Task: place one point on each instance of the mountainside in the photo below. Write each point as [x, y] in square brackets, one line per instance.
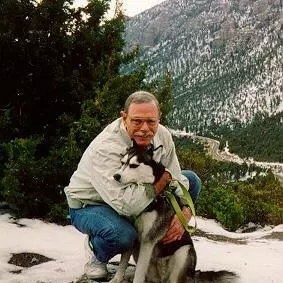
[225, 58]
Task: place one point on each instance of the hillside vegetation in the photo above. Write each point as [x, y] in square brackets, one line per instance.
[225, 59]
[227, 194]
[262, 139]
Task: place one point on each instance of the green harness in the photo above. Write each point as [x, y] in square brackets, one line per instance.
[186, 198]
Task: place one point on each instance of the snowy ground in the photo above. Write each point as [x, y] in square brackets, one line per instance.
[256, 257]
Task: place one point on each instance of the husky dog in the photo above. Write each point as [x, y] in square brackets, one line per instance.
[155, 262]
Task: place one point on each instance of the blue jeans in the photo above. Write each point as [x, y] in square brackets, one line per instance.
[195, 184]
[110, 233]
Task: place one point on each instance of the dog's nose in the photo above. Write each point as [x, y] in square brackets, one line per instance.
[117, 177]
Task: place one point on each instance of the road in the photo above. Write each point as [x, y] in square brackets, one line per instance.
[212, 146]
[225, 155]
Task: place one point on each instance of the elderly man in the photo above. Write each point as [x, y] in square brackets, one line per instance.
[101, 207]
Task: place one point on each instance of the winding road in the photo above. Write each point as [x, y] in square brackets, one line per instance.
[212, 146]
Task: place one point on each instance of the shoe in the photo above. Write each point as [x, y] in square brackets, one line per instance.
[94, 268]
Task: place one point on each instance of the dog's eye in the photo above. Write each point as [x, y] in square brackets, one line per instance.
[133, 165]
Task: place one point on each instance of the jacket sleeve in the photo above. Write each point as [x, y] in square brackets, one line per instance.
[130, 199]
[170, 161]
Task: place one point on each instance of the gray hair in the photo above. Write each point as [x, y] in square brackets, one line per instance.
[139, 97]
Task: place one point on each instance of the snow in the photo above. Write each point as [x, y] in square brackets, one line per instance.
[256, 260]
[252, 256]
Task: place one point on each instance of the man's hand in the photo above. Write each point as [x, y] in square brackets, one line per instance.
[161, 184]
[176, 229]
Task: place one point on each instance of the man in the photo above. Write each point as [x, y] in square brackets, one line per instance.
[100, 206]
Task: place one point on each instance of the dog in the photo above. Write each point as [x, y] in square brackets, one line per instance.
[155, 262]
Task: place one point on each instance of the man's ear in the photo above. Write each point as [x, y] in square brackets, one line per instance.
[123, 114]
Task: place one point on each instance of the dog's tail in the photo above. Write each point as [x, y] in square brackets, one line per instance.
[222, 276]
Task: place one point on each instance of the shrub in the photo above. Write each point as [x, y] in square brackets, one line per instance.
[33, 185]
[58, 213]
[262, 199]
[222, 204]
[232, 202]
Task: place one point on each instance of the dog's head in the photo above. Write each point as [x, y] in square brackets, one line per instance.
[138, 166]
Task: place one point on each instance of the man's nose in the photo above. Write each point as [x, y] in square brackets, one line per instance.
[144, 126]
[117, 177]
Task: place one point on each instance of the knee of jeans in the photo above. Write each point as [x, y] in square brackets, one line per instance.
[128, 239]
[195, 183]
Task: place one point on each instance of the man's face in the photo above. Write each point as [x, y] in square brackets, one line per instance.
[141, 122]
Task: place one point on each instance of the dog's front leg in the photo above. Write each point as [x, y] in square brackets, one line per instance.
[145, 253]
[125, 257]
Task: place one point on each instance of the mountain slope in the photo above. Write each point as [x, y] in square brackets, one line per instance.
[225, 58]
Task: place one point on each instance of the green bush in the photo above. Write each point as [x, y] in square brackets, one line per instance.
[262, 199]
[58, 213]
[32, 185]
[20, 174]
[222, 204]
[232, 202]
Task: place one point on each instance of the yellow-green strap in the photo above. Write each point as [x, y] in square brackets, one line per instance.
[168, 192]
[188, 199]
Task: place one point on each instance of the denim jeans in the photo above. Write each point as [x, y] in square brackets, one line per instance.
[110, 233]
[195, 184]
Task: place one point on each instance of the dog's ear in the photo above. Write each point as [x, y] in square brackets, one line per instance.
[158, 170]
[131, 152]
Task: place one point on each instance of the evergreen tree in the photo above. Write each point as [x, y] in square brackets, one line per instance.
[61, 84]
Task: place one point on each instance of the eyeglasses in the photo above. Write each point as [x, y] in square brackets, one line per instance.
[138, 122]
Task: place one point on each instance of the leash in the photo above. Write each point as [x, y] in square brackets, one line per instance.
[168, 192]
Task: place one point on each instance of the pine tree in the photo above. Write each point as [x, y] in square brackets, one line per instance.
[61, 84]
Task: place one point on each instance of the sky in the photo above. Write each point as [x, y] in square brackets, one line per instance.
[258, 260]
[133, 7]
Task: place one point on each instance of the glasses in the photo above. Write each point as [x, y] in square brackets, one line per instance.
[138, 122]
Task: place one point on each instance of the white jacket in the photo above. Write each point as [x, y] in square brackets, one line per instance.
[93, 182]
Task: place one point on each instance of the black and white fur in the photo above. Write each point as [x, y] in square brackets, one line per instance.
[155, 262]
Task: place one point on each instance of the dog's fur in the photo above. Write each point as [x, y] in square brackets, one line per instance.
[156, 262]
